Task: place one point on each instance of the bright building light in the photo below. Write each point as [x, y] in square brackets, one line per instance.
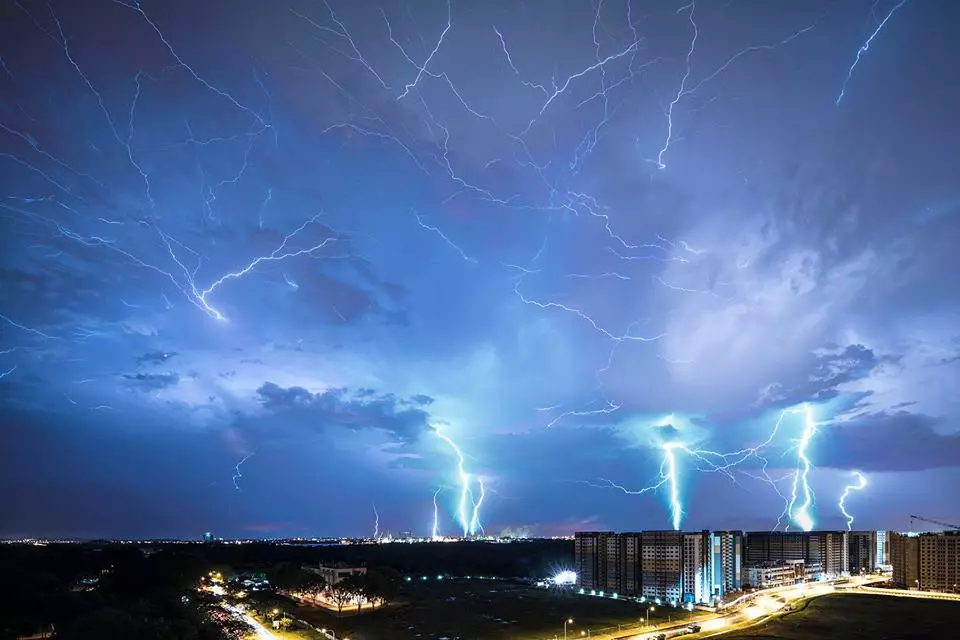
[564, 578]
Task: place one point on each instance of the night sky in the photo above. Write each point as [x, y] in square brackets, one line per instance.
[265, 264]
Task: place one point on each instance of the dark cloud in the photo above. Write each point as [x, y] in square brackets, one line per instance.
[888, 441]
[823, 372]
[155, 357]
[422, 400]
[151, 381]
[668, 432]
[354, 411]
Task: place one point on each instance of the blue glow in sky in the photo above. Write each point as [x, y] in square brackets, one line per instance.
[253, 254]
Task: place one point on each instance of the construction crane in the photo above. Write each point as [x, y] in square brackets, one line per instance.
[931, 521]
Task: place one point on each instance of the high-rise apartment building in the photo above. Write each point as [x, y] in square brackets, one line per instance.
[828, 549]
[764, 547]
[862, 546]
[697, 577]
[726, 562]
[661, 559]
[883, 549]
[666, 565]
[905, 558]
[940, 561]
[587, 550]
[835, 550]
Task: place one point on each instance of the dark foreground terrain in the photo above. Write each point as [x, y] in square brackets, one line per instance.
[856, 616]
[488, 610]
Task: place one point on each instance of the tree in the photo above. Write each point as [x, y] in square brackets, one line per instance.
[357, 587]
[340, 594]
[312, 584]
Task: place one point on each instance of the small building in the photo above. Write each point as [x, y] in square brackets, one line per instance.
[779, 574]
[335, 573]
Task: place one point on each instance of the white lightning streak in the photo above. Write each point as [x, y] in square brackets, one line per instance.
[861, 483]
[683, 84]
[864, 48]
[801, 515]
[238, 475]
[435, 532]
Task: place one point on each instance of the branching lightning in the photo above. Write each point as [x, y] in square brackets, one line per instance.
[861, 484]
[866, 47]
[800, 515]
[683, 85]
[709, 461]
[237, 475]
[468, 509]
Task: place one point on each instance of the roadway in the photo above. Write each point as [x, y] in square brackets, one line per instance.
[752, 609]
[258, 629]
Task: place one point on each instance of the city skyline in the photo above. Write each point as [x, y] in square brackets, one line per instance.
[350, 268]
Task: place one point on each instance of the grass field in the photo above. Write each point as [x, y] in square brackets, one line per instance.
[855, 616]
[491, 610]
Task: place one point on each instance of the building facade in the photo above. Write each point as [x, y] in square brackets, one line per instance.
[336, 573]
[862, 551]
[905, 558]
[940, 561]
[826, 549]
[882, 560]
[835, 550]
[661, 561]
[669, 566]
[726, 562]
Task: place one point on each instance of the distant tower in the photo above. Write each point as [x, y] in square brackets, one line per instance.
[208, 537]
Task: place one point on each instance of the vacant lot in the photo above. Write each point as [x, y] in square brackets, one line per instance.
[855, 616]
[487, 609]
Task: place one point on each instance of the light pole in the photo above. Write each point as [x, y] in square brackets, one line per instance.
[565, 623]
[649, 609]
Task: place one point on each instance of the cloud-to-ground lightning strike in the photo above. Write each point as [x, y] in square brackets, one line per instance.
[800, 515]
[376, 522]
[866, 47]
[861, 484]
[435, 530]
[709, 461]
[238, 475]
[676, 509]
[467, 516]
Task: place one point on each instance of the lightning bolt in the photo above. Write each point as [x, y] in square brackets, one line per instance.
[4, 374]
[683, 85]
[800, 515]
[376, 522]
[475, 518]
[710, 461]
[435, 531]
[866, 47]
[469, 522]
[440, 233]
[861, 484]
[25, 328]
[676, 508]
[238, 475]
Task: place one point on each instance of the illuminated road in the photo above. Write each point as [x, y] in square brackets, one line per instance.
[261, 631]
[755, 609]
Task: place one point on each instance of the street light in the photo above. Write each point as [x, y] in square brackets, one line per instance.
[649, 609]
[565, 623]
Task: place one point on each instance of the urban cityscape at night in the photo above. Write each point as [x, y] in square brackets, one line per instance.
[507, 320]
